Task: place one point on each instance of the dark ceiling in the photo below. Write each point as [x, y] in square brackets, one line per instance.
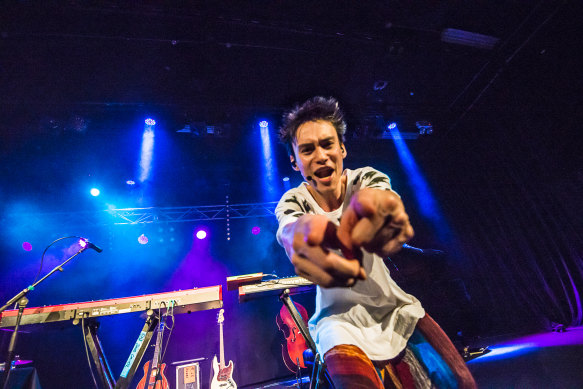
[216, 59]
[92, 66]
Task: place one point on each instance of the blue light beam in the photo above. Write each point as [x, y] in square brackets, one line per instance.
[425, 199]
[147, 151]
[269, 167]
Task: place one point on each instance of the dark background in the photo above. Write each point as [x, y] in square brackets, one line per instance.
[503, 167]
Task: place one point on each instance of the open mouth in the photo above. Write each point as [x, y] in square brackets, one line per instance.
[324, 172]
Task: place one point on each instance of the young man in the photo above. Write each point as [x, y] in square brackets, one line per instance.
[336, 228]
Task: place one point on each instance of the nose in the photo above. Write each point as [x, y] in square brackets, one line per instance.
[320, 154]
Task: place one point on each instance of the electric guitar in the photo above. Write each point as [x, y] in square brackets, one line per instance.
[154, 377]
[222, 374]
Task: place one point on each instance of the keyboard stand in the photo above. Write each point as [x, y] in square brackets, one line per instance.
[90, 329]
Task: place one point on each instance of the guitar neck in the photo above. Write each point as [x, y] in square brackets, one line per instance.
[158, 345]
[222, 349]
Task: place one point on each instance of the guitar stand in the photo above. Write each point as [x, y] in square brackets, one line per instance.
[90, 329]
[319, 368]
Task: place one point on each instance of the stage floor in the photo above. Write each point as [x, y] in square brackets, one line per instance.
[544, 360]
[547, 360]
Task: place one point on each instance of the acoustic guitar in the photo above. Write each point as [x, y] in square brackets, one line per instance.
[154, 377]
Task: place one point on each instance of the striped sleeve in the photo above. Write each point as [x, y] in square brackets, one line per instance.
[372, 178]
[290, 207]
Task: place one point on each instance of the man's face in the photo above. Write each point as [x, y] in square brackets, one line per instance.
[319, 154]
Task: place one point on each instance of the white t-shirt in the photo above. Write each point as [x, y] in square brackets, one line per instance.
[375, 314]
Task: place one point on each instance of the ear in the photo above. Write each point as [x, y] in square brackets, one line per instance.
[343, 149]
[292, 160]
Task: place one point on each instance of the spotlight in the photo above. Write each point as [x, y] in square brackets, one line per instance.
[285, 179]
[94, 192]
[392, 125]
[263, 124]
[150, 122]
[256, 230]
[131, 182]
[201, 234]
[425, 127]
[142, 239]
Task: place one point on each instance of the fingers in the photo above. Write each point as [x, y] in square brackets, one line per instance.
[376, 220]
[313, 259]
[305, 268]
[326, 260]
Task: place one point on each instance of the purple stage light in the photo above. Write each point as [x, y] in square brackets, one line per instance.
[256, 230]
[27, 246]
[201, 234]
[142, 239]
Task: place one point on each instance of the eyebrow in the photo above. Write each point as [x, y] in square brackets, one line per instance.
[330, 138]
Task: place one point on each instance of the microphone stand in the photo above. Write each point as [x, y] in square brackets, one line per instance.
[22, 301]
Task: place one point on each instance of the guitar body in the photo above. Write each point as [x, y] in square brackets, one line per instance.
[154, 377]
[161, 383]
[222, 378]
[292, 350]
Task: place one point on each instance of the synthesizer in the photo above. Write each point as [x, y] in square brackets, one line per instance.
[274, 286]
[182, 301]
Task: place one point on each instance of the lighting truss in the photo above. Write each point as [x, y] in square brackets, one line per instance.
[155, 214]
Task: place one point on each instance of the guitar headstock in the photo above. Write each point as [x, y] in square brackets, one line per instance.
[221, 317]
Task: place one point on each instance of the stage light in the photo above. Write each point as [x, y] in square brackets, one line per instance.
[263, 124]
[201, 234]
[142, 239]
[150, 122]
[285, 179]
[425, 127]
[467, 38]
[131, 182]
[94, 192]
[256, 230]
[26, 246]
[392, 125]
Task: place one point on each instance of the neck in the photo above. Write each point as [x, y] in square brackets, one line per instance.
[329, 200]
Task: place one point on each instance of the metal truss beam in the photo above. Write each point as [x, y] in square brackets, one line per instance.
[154, 214]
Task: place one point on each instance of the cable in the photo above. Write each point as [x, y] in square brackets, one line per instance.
[87, 352]
[43, 256]
[171, 310]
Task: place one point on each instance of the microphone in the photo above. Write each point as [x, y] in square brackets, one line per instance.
[85, 243]
[422, 251]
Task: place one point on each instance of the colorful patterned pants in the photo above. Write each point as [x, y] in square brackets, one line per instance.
[429, 361]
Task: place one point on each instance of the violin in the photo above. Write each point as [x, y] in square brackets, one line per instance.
[293, 349]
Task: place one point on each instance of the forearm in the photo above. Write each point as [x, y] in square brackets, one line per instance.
[287, 238]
